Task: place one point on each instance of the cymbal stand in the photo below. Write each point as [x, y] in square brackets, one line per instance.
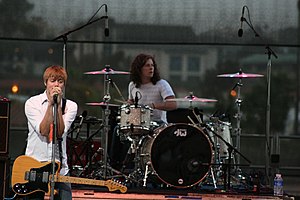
[106, 100]
[104, 140]
[238, 129]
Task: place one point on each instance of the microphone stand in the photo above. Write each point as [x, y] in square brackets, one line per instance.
[269, 52]
[53, 164]
[268, 153]
[64, 36]
[80, 27]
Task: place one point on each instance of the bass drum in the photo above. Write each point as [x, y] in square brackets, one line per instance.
[179, 154]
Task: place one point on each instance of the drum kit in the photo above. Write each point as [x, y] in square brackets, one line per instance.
[181, 155]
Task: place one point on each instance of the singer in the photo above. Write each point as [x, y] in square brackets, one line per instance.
[39, 112]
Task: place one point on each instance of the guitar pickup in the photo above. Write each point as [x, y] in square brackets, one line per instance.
[32, 175]
[26, 175]
[45, 178]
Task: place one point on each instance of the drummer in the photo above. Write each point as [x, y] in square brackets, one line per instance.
[147, 88]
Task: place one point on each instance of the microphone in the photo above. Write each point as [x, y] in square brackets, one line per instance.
[136, 99]
[55, 97]
[82, 117]
[240, 31]
[106, 30]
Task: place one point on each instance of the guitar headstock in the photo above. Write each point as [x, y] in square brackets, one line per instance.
[113, 186]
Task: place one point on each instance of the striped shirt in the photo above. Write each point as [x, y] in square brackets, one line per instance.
[149, 93]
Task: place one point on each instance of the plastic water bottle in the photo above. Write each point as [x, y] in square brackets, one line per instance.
[278, 185]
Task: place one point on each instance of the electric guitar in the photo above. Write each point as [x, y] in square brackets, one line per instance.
[30, 175]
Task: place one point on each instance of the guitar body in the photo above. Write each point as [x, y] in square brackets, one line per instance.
[30, 175]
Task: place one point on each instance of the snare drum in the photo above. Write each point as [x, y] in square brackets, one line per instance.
[135, 120]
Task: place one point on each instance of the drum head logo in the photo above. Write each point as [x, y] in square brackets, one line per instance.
[181, 132]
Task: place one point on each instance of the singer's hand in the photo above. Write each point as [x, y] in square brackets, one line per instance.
[58, 92]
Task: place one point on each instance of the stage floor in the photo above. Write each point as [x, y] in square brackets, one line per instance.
[92, 195]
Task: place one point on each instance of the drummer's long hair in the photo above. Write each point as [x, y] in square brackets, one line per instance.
[136, 69]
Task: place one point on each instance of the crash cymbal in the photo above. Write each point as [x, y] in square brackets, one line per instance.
[240, 75]
[192, 99]
[107, 70]
[102, 104]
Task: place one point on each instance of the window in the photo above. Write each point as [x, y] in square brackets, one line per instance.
[175, 63]
[193, 63]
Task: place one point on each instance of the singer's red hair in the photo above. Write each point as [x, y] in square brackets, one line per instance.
[56, 72]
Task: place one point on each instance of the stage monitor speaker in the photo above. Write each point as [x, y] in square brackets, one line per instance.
[4, 126]
[4, 176]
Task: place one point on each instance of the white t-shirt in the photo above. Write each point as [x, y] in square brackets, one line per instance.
[149, 93]
[37, 145]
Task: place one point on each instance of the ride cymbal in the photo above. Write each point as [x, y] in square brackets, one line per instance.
[107, 71]
[193, 98]
[240, 75]
[102, 104]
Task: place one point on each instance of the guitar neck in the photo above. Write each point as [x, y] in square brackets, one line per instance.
[77, 180]
[110, 184]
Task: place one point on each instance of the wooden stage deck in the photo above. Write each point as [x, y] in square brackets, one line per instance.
[104, 195]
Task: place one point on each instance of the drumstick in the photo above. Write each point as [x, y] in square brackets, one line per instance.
[197, 117]
[192, 120]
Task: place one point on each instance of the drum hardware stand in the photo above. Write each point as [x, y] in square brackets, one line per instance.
[231, 149]
[238, 129]
[131, 150]
[114, 173]
[86, 144]
[146, 174]
[99, 150]
[210, 167]
[217, 159]
[104, 139]
[214, 181]
[135, 149]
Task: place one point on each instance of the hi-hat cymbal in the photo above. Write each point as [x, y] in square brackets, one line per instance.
[107, 71]
[240, 75]
[192, 98]
[102, 104]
